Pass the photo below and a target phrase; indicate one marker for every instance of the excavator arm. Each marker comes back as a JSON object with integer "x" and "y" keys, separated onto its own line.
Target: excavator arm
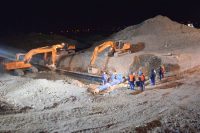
{"x": 45, "y": 50}
{"x": 99, "y": 49}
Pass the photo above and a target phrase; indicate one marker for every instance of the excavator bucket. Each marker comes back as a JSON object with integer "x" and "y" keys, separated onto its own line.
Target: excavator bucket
{"x": 71, "y": 47}
{"x": 93, "y": 70}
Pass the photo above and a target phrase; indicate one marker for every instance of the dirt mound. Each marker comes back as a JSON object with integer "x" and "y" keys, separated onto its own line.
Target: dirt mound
{"x": 160, "y": 33}
{"x": 157, "y": 25}
{"x": 174, "y": 43}
{"x": 146, "y": 62}
{"x": 137, "y": 47}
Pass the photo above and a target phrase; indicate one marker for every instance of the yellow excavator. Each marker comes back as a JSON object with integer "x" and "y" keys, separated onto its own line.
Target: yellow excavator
{"x": 22, "y": 62}
{"x": 116, "y": 48}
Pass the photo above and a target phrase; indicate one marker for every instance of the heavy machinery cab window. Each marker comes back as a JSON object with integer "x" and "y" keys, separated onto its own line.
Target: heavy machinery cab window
{"x": 119, "y": 45}
{"x": 20, "y": 57}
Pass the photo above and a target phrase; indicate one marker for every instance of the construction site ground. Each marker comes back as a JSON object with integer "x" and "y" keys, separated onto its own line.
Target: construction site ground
{"x": 54, "y": 102}
{"x": 60, "y": 104}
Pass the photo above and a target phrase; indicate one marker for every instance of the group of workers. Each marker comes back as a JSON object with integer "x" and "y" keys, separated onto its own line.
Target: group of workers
{"x": 136, "y": 79}
{"x": 140, "y": 82}
{"x": 141, "y": 78}
{"x": 108, "y": 77}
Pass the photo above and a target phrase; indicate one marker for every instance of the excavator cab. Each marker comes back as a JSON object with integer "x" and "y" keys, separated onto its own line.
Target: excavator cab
{"x": 119, "y": 44}
{"x": 122, "y": 47}
{"x": 20, "y": 56}
{"x": 119, "y": 47}
{"x": 66, "y": 50}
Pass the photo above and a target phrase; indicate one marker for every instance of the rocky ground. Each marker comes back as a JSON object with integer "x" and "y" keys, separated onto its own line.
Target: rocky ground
{"x": 41, "y": 105}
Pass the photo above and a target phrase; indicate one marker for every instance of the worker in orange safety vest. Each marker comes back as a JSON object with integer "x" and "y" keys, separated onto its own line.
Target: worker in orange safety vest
{"x": 131, "y": 80}
{"x": 141, "y": 81}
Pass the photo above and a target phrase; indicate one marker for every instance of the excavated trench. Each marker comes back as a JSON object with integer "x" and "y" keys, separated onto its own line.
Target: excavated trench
{"x": 52, "y": 75}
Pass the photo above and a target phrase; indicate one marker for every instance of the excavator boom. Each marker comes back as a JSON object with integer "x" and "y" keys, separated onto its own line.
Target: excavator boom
{"x": 52, "y": 49}
{"x": 99, "y": 49}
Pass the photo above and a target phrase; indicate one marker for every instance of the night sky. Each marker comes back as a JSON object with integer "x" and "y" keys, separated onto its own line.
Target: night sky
{"x": 46, "y": 16}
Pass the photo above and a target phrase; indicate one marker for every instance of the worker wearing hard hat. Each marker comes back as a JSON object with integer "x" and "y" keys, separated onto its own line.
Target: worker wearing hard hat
{"x": 104, "y": 78}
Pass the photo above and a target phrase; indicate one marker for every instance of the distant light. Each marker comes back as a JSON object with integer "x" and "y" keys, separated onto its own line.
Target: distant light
{"x": 190, "y": 25}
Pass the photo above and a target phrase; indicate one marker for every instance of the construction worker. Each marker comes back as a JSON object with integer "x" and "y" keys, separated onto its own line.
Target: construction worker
{"x": 114, "y": 76}
{"x": 104, "y": 78}
{"x": 152, "y": 77}
{"x": 161, "y": 72}
{"x": 142, "y": 81}
{"x": 140, "y": 72}
{"x": 131, "y": 80}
